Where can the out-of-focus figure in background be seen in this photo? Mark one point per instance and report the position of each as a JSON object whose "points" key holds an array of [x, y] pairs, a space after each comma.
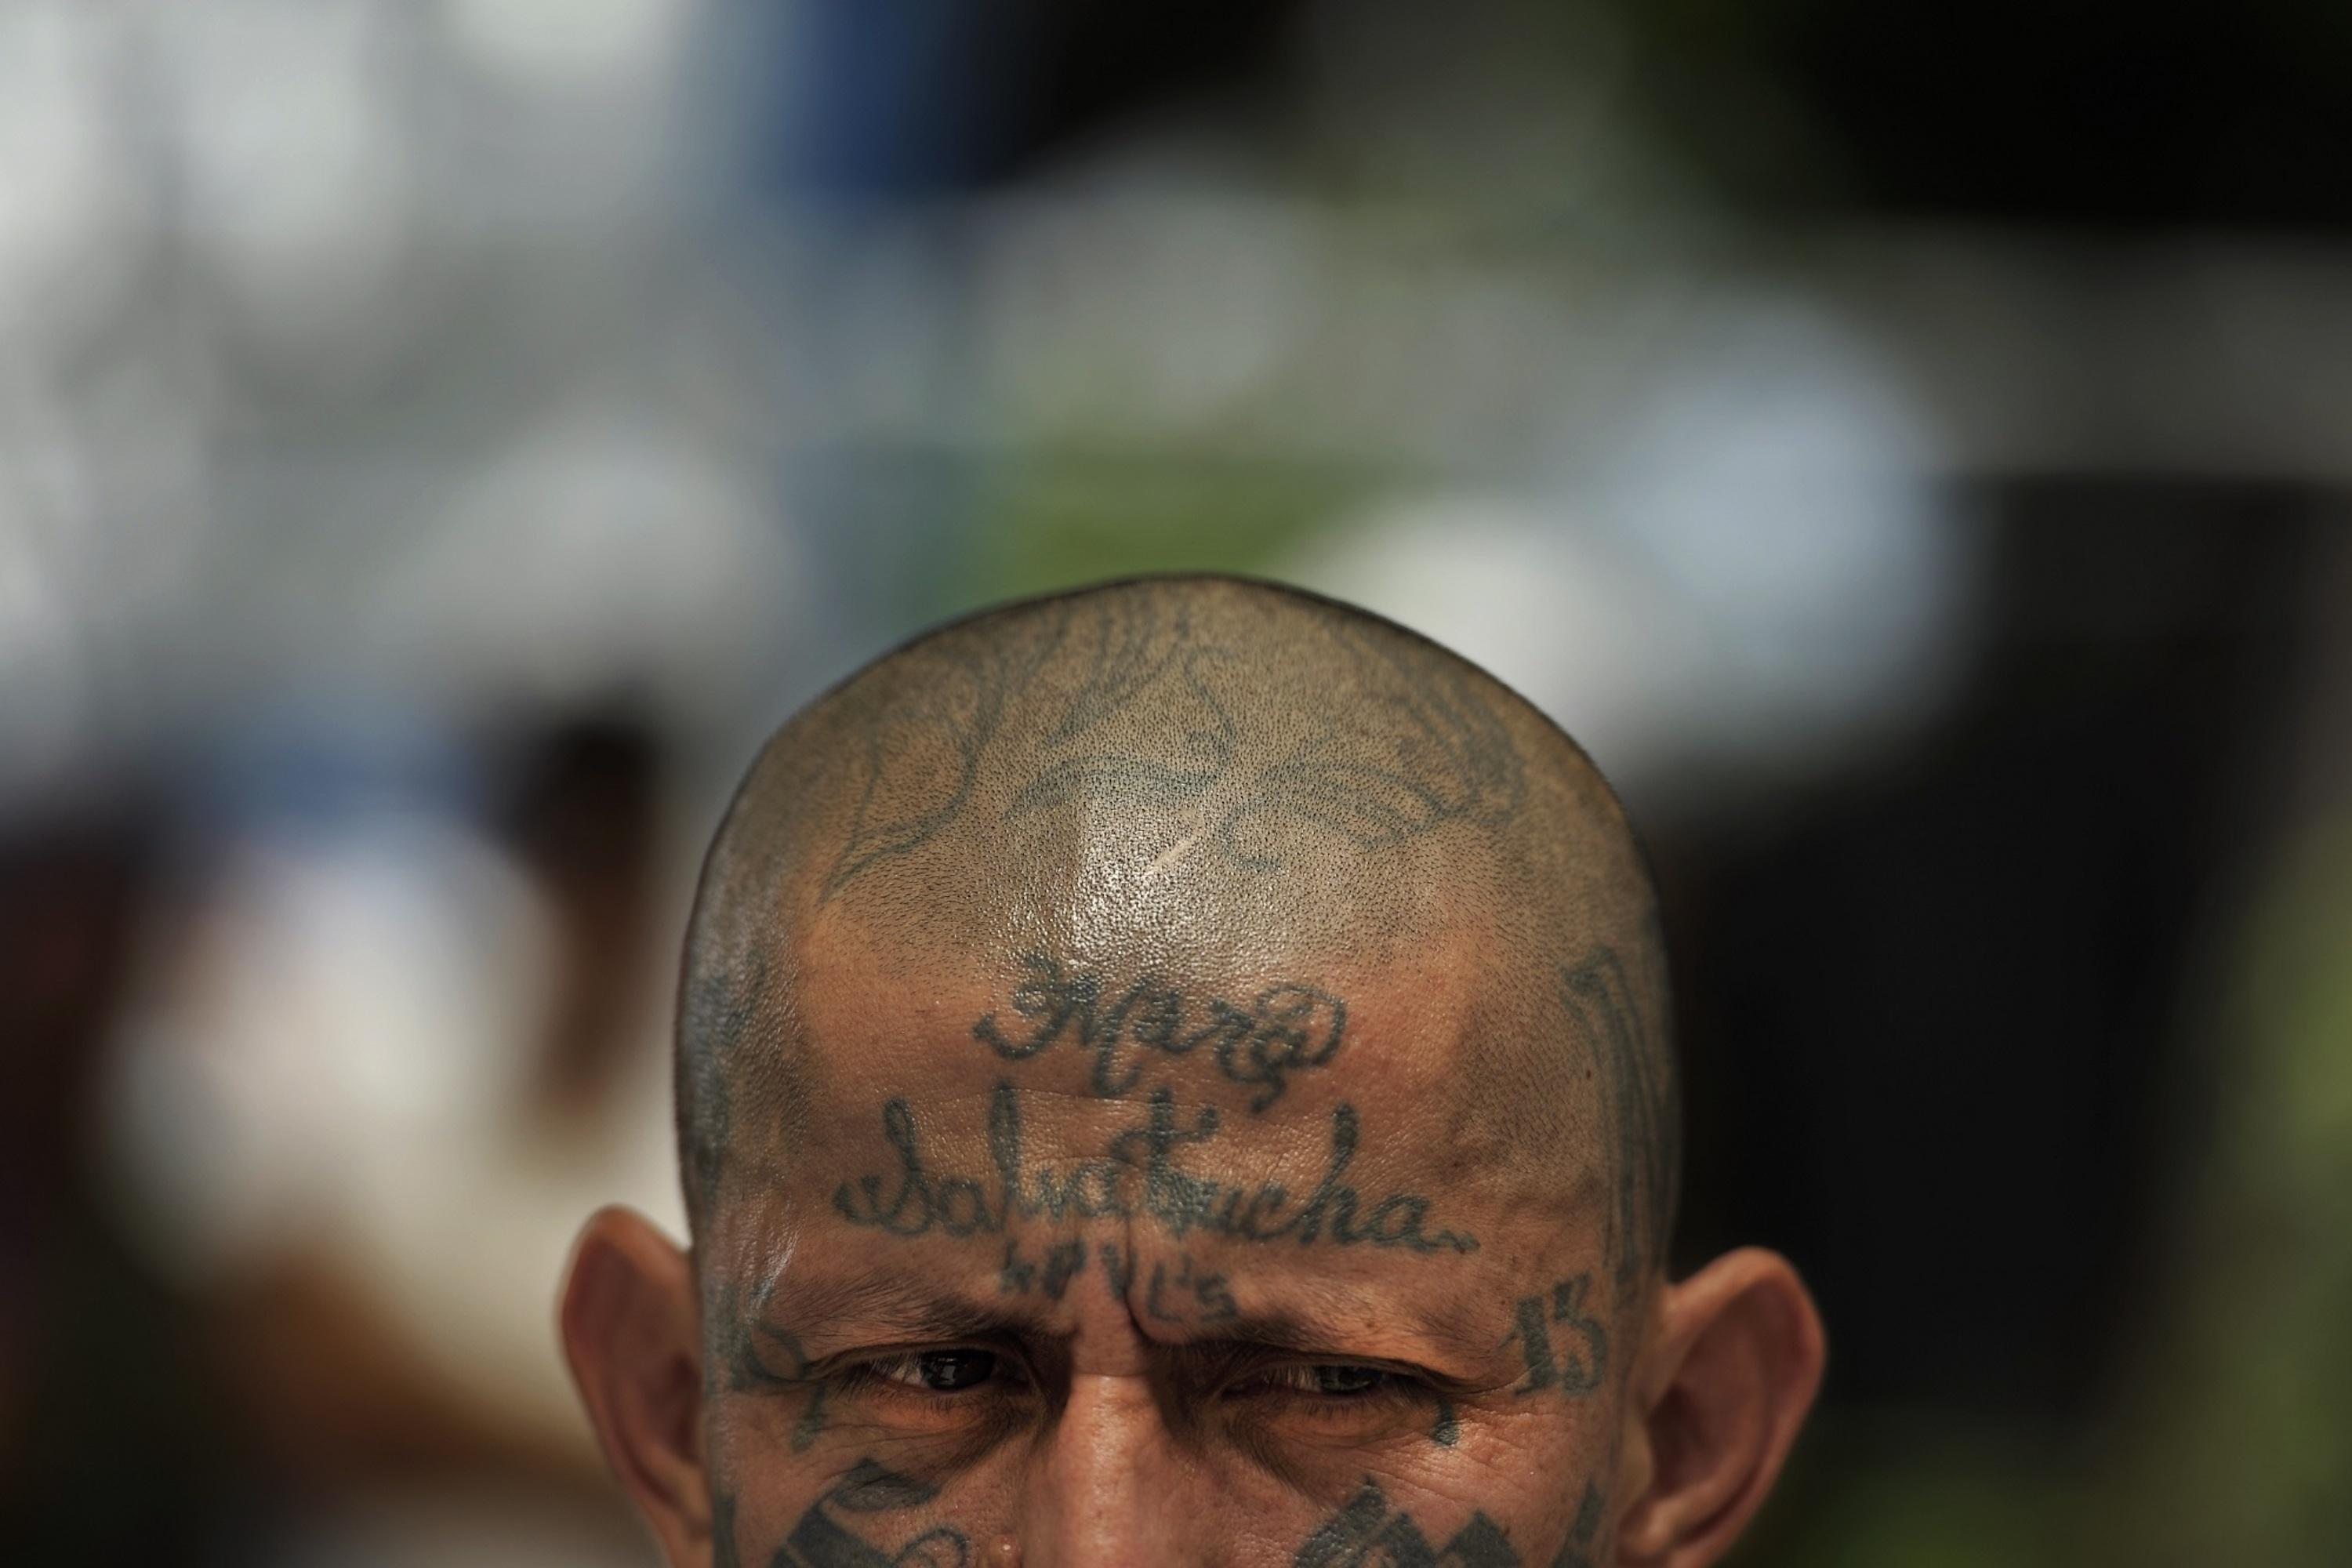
{"points": [[388, 1042], [438, 439]]}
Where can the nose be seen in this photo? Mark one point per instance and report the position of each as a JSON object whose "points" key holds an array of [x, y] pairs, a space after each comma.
{"points": [[1106, 1489]]}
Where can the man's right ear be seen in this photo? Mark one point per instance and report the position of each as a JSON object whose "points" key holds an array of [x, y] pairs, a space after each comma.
{"points": [[631, 1331]]}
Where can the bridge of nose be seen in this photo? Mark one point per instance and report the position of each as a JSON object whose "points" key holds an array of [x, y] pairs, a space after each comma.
{"points": [[1109, 1483]]}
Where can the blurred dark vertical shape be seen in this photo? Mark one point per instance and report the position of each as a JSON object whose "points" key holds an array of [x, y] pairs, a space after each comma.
{"points": [[99, 1375], [1932, 1012], [582, 812]]}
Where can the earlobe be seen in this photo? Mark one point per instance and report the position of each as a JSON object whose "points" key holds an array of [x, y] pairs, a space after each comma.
{"points": [[1734, 1367], [630, 1330]]}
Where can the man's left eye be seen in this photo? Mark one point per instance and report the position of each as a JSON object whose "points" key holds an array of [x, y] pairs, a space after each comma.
{"points": [[1333, 1380], [939, 1371]]}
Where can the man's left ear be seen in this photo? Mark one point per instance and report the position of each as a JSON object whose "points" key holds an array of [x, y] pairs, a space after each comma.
{"points": [[1734, 1363], [632, 1331]]}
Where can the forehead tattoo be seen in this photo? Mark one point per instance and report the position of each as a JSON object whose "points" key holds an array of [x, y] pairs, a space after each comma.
{"points": [[1194, 763]]}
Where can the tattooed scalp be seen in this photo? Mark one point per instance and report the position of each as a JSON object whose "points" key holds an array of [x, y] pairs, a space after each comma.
{"points": [[1201, 767]]}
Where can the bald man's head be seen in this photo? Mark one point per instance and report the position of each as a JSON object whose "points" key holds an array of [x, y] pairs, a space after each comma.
{"points": [[1178, 1073], [1133, 806]]}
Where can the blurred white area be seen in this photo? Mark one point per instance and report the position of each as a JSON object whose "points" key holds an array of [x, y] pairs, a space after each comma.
{"points": [[294, 165], [1759, 574], [600, 552], [597, 47], [73, 206], [338, 1063]]}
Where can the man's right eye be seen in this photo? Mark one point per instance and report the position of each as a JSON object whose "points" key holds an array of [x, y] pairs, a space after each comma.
{"points": [[940, 1371]]}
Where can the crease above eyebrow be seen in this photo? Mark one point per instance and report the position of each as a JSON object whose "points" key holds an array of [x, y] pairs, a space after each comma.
{"points": [[1305, 1334], [822, 1313], [882, 1304]]}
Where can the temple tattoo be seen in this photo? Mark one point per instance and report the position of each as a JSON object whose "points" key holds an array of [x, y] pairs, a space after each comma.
{"points": [[1136, 1176], [1367, 1533], [1288, 1028], [722, 1529], [742, 1356], [1637, 1083], [1576, 1358], [718, 1008]]}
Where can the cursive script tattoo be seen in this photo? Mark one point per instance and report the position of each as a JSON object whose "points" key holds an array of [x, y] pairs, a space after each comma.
{"points": [[1367, 1533], [1575, 1361], [1166, 1291], [1063, 1263], [1286, 1029], [1135, 1177]]}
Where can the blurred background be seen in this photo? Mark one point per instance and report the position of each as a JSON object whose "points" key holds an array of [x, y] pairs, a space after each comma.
{"points": [[438, 439]]}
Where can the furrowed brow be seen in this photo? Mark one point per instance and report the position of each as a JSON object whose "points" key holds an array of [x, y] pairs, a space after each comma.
{"points": [[822, 1311]]}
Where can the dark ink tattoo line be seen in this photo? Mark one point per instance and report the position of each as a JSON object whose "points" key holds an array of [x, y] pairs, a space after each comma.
{"points": [[964, 712]]}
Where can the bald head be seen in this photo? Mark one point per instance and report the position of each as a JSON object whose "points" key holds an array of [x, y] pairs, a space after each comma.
{"points": [[1154, 819]]}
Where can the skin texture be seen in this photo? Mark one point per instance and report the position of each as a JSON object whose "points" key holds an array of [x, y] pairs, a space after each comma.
{"points": [[1179, 1073]]}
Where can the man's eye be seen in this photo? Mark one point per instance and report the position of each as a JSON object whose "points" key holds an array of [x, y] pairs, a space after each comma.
{"points": [[939, 1371], [1333, 1380]]}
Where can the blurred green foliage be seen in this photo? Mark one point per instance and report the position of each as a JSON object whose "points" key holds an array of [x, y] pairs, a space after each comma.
{"points": [[1054, 520]]}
